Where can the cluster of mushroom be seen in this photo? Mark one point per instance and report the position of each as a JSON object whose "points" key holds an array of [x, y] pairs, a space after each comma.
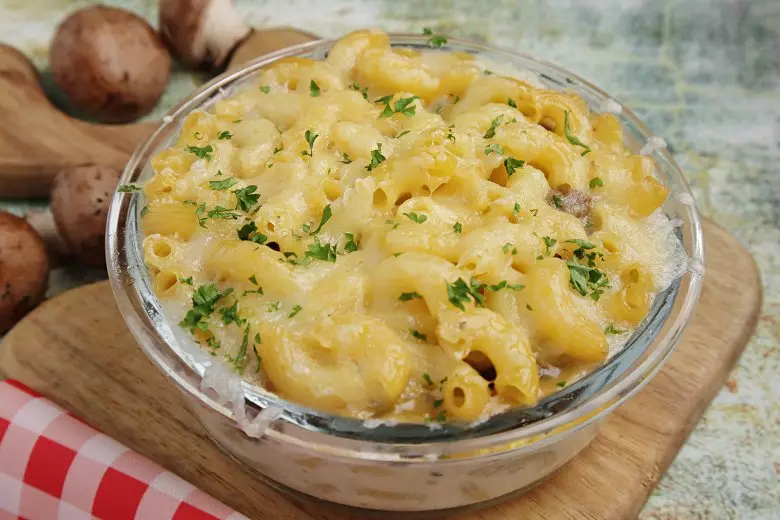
{"points": [[114, 67]]}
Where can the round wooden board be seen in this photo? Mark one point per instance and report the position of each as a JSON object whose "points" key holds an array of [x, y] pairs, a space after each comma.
{"points": [[76, 350]]}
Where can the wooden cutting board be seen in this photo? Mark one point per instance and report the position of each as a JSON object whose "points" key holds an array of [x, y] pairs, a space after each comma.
{"points": [[37, 140], [76, 350]]}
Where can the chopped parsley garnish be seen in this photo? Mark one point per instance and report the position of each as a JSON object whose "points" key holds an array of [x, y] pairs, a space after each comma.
{"points": [[314, 89], [363, 91], [145, 210], [491, 132], [455, 100], [511, 164], [223, 184], [326, 214], [583, 251], [128, 188], [419, 218], [435, 40], [438, 402], [187, 281], [587, 280], [494, 148], [225, 134], [240, 362], [203, 152], [507, 247], [376, 157], [534, 212], [487, 72], [345, 158], [403, 106], [222, 213], [457, 228], [557, 201], [253, 280], [407, 296], [442, 417], [310, 138], [503, 284], [419, 335], [596, 182], [548, 244], [230, 315], [573, 139], [265, 89], [318, 251], [246, 198], [350, 245], [428, 379], [249, 232], [273, 306], [204, 301], [402, 134], [450, 135], [258, 340], [511, 103], [516, 208], [611, 329], [295, 310], [459, 292], [561, 384]]}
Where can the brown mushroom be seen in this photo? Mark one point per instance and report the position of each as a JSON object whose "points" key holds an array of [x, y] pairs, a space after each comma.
{"points": [[80, 198], [202, 33], [24, 269], [109, 63]]}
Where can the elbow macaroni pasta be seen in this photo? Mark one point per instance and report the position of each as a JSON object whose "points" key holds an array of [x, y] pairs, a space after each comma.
{"points": [[395, 234]]}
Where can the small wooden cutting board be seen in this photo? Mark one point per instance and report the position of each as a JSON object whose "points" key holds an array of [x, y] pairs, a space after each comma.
{"points": [[76, 350]]}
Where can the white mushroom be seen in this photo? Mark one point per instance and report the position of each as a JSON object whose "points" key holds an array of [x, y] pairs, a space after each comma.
{"points": [[109, 63], [24, 269], [202, 33]]}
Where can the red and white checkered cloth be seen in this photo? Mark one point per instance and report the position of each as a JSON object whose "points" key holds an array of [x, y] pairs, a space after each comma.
{"points": [[55, 467]]}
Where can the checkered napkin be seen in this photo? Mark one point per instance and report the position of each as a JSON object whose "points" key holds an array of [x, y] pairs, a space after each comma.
{"points": [[55, 467]]}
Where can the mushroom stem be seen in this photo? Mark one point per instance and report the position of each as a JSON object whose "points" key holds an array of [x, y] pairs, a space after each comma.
{"points": [[202, 33]]}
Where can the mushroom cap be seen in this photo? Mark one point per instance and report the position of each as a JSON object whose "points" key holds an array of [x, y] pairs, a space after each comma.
{"points": [[80, 198], [109, 62], [201, 33], [24, 269]]}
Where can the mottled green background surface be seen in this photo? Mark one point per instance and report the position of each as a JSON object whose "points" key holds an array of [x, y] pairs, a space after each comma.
{"points": [[704, 74]]}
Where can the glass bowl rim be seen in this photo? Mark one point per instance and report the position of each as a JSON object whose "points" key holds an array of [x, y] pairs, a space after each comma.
{"points": [[567, 422]]}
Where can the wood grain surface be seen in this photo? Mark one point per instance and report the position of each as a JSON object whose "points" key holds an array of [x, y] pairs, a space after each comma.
{"points": [[37, 140], [76, 350]]}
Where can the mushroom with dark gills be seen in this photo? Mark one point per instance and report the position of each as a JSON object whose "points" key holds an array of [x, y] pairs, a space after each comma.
{"points": [[24, 269], [109, 63]]}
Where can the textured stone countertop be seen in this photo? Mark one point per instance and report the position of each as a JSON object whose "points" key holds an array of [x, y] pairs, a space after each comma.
{"points": [[704, 74]]}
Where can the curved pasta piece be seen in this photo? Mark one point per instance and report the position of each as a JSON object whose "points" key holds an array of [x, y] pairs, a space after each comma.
{"points": [[344, 53], [507, 348], [239, 260], [348, 363], [560, 317], [169, 218], [391, 72], [466, 393], [500, 89]]}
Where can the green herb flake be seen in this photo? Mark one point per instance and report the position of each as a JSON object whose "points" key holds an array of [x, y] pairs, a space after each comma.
{"points": [[511, 103], [516, 208], [596, 182], [246, 198], [203, 152], [240, 362], [457, 228], [314, 89], [435, 40], [418, 335], [491, 132], [511, 164], [363, 91], [503, 284], [587, 280], [230, 315], [507, 247], [128, 188], [459, 292], [310, 138], [408, 296], [224, 134], [223, 184], [402, 134], [549, 242], [249, 232], [187, 281], [204, 302], [376, 157], [253, 280], [265, 89], [326, 214], [273, 306], [318, 251], [350, 245], [561, 384], [222, 213], [345, 158], [611, 329], [414, 217], [295, 310], [145, 210], [573, 139], [427, 379], [534, 212], [494, 148], [438, 402], [557, 201]]}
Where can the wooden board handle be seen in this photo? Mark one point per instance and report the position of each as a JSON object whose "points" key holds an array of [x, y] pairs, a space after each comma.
{"points": [[37, 140]]}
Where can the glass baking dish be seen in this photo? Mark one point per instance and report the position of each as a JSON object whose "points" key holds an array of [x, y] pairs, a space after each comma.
{"points": [[400, 467]]}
